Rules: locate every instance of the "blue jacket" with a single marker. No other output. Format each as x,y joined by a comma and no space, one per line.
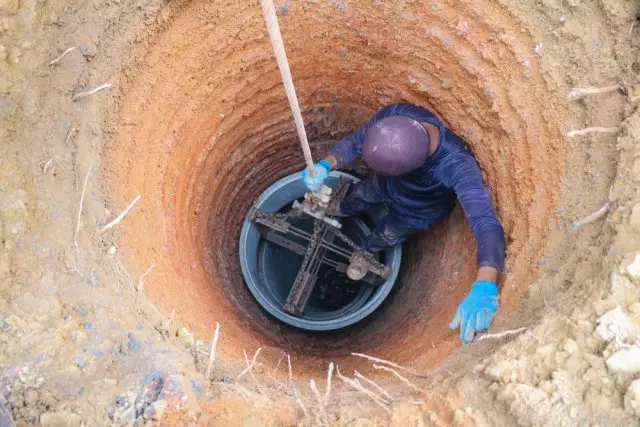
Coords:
422,197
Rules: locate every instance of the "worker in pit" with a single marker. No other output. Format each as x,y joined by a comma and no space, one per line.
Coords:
419,169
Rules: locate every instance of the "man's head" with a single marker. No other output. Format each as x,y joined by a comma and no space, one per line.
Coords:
395,145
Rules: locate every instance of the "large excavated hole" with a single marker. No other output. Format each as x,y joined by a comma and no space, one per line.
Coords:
204,128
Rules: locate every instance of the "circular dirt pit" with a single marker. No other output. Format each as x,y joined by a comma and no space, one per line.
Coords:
204,128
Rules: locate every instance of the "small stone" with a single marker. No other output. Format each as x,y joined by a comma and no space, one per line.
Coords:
570,346
126,416
625,361
89,51
616,325
631,265
458,417
186,337
60,419
593,360
604,305
632,399
159,406
576,365
621,286
112,250
31,397
592,377
47,399
178,392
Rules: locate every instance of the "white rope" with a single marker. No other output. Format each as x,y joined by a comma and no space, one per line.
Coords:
269,11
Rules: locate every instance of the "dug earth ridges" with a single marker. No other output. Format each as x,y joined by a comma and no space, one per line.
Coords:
88,331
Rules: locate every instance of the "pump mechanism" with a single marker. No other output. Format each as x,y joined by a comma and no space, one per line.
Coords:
322,245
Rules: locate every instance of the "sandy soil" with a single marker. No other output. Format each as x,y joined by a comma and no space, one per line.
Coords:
197,124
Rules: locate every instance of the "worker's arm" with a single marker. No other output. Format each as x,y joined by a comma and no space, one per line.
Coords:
477,310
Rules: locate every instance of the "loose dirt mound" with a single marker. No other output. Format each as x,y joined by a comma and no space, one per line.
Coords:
198,125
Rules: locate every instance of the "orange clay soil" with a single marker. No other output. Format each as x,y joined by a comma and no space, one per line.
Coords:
203,127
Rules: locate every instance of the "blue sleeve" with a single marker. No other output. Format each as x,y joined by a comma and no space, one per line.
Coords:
348,149
463,175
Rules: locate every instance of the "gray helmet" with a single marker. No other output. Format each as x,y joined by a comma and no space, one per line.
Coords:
395,145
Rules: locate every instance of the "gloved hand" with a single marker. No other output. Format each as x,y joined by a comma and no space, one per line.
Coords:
476,311
322,169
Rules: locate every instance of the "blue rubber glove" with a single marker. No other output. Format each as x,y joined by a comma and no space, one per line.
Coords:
476,311
322,172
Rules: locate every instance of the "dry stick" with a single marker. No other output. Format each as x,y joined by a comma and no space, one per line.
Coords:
140,282
595,129
270,375
45,165
356,385
375,385
70,133
275,371
400,377
579,92
290,374
250,365
81,95
212,352
386,362
314,389
299,401
62,55
591,218
119,217
327,392
84,187
501,334
295,392
246,360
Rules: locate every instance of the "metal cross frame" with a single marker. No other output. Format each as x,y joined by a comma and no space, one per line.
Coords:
278,228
